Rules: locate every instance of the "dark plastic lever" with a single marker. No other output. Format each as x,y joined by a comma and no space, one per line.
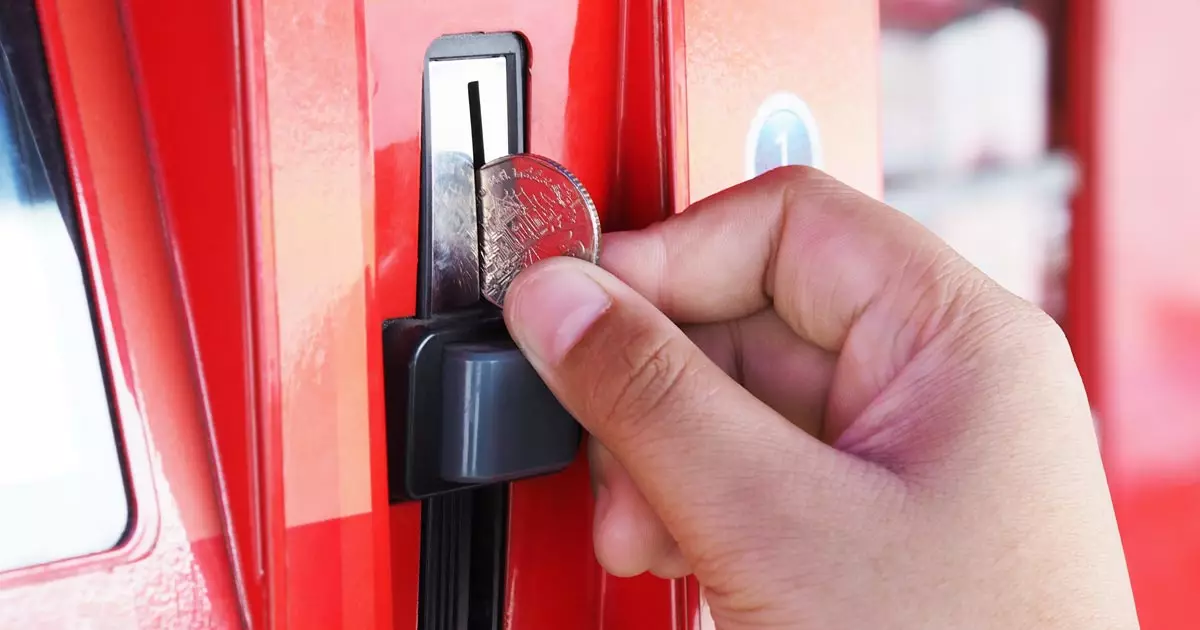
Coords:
500,420
465,408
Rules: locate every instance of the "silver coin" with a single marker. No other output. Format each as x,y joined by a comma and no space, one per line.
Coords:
533,209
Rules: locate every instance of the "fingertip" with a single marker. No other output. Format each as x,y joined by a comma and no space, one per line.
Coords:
628,541
551,305
628,537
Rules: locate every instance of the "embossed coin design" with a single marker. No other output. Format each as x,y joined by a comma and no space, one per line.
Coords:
532,209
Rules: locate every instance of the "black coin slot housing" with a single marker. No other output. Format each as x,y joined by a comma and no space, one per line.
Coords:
465,408
466,413
503,424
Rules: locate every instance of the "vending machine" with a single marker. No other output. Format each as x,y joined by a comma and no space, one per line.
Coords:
217,216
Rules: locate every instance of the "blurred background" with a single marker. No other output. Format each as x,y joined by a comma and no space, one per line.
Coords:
1052,142
967,144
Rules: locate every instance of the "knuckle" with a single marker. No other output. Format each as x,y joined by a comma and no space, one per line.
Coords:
1034,331
938,293
802,186
996,324
798,174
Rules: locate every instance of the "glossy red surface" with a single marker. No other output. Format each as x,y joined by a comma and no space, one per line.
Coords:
293,445
184,61
651,158
319,363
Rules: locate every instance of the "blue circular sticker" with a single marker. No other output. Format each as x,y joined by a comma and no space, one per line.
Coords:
783,133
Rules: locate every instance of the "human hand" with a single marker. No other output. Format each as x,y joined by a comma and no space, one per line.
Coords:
857,430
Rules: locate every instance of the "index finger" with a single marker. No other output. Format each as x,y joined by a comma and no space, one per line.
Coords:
818,250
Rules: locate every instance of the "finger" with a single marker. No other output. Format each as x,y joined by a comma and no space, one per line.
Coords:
672,565
815,248
761,352
827,259
774,365
692,440
628,537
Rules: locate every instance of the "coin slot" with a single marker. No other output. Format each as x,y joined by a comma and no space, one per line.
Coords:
473,111
475,108
460,419
464,407
462,127
479,157
466,412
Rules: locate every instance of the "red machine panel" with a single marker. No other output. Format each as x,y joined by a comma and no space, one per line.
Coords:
247,181
822,55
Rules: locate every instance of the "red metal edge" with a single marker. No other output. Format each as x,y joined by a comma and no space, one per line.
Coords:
381,511
674,64
264,357
690,604
183,58
1084,102
686,591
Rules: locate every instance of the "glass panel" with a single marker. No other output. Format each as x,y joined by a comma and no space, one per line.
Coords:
62,490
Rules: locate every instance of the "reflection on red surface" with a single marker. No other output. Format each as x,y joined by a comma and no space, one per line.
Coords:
553,578
319,357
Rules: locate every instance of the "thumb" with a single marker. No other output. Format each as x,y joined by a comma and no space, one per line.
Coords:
694,441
